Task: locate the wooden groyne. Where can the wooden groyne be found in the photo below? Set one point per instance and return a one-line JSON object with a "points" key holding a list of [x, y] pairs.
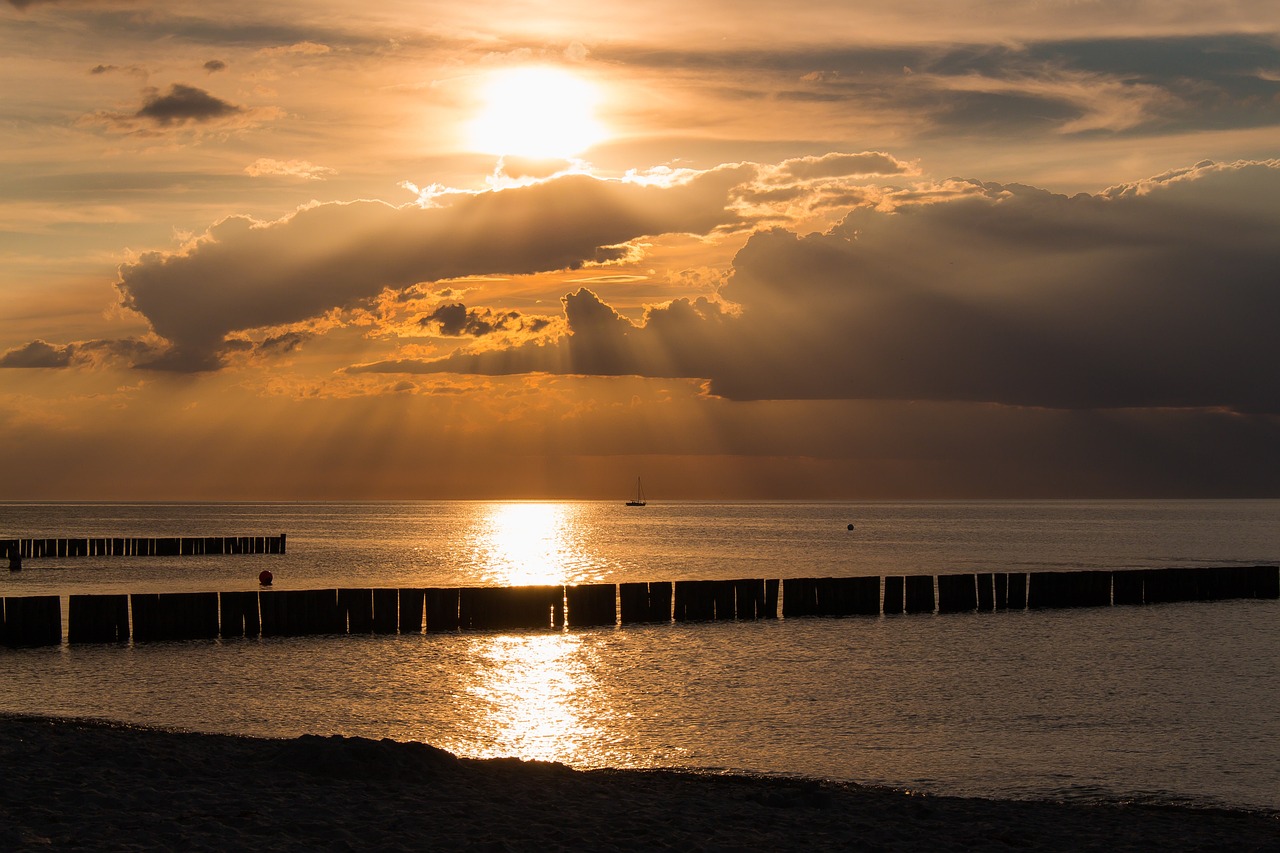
{"points": [[37, 620], [140, 546]]}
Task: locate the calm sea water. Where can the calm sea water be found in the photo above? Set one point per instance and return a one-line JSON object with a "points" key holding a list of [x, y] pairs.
{"points": [[1172, 703]]}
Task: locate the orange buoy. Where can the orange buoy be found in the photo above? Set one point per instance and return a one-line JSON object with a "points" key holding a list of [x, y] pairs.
{"points": [[265, 578]]}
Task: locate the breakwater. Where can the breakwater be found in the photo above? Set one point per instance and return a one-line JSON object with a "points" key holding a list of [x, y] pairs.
{"points": [[37, 620], [140, 546]]}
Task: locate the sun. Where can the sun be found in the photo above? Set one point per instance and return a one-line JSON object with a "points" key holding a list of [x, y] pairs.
{"points": [[540, 112]]}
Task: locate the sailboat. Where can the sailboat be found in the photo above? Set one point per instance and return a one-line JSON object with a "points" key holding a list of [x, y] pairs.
{"points": [[639, 498]]}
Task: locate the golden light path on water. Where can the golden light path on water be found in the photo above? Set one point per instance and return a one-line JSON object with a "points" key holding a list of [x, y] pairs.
{"points": [[533, 695], [525, 544]]}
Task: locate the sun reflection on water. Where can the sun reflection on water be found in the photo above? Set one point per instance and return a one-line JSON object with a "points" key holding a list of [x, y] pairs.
{"points": [[522, 544], [534, 698]]}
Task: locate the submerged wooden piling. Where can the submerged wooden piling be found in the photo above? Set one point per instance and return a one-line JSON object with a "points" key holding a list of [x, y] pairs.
{"points": [[238, 614], [174, 616], [799, 597], [386, 611], [957, 593], [644, 602], [894, 586], [440, 609], [97, 618], [32, 620], [919, 594], [356, 605], [591, 605], [411, 610]]}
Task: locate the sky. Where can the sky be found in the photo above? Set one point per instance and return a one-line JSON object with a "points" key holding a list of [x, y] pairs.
{"points": [[321, 250]]}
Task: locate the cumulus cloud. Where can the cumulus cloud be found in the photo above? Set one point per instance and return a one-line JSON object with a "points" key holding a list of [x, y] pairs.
{"points": [[245, 275], [1158, 294]]}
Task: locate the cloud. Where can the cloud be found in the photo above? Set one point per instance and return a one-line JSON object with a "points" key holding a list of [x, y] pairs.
{"points": [[288, 168], [842, 166], [455, 320], [38, 354], [184, 103], [302, 48], [181, 107], [1157, 294], [215, 65], [245, 275], [95, 353]]}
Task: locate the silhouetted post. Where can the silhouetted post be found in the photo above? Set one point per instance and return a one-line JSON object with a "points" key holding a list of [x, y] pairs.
{"points": [[893, 595], [919, 590], [441, 609], [986, 591], [386, 613], [411, 610], [591, 605], [1265, 581], [32, 621], [97, 618], [1126, 586], [957, 593], [357, 604], [799, 597], [771, 588], [633, 603], [1017, 591]]}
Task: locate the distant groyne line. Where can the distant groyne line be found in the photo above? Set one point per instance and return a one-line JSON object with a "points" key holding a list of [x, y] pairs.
{"points": [[37, 620], [35, 548]]}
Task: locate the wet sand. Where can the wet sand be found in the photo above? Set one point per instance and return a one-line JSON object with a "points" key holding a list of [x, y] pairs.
{"points": [[83, 785]]}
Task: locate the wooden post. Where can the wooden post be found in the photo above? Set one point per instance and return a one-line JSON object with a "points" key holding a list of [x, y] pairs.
{"points": [[441, 606], [1127, 586], [986, 592], [1265, 581], [919, 589], [357, 604], [957, 593], [1017, 591], [34, 620], [591, 605], [386, 614], [799, 597], [893, 595], [97, 618], [411, 610]]}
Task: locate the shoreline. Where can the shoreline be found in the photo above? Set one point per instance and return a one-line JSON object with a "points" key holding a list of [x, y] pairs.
{"points": [[78, 784]]}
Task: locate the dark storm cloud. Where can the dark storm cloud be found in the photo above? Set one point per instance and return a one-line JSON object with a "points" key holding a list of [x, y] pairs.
{"points": [[41, 354], [1123, 85], [243, 275], [1157, 294], [38, 354], [184, 103], [455, 320]]}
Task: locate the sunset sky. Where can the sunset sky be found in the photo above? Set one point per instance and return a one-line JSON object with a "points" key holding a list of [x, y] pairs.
{"points": [[331, 250]]}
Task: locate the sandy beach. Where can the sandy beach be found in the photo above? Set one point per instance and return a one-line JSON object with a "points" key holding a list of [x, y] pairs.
{"points": [[86, 785]]}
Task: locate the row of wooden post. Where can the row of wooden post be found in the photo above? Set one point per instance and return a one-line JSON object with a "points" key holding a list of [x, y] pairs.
{"points": [[37, 620], [146, 546]]}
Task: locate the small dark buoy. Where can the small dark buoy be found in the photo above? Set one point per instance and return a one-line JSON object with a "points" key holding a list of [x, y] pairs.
{"points": [[265, 578], [850, 526]]}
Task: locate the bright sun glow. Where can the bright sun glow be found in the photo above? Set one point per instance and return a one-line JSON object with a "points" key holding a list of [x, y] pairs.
{"points": [[536, 112]]}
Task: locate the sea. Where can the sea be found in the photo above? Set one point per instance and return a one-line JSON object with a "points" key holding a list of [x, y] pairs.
{"points": [[1169, 703]]}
